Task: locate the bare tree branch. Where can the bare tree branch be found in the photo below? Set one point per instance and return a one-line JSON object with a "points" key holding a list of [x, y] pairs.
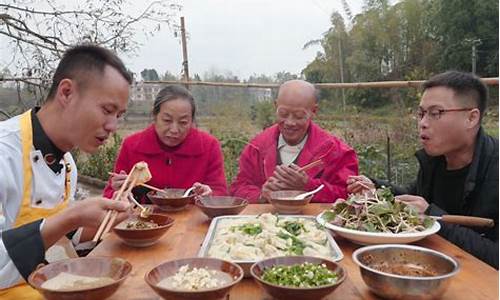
{"points": [[6, 18], [41, 30], [27, 41], [45, 13]]}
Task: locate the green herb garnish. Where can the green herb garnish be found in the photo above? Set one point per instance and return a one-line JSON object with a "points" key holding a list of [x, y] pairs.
{"points": [[300, 275], [294, 228], [297, 246], [250, 229]]}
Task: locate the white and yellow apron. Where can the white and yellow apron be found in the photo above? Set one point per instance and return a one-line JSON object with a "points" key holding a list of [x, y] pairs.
{"points": [[27, 213]]}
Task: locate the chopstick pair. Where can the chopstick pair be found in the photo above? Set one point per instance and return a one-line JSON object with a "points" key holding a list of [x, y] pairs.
{"points": [[110, 217], [311, 165]]}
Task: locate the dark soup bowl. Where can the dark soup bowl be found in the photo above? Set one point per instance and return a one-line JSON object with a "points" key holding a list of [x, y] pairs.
{"points": [[215, 206], [170, 199]]}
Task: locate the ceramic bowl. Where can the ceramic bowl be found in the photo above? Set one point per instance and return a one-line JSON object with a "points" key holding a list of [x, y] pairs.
{"points": [[233, 272], [112, 267], [298, 293], [216, 206], [170, 199], [284, 203], [144, 237]]}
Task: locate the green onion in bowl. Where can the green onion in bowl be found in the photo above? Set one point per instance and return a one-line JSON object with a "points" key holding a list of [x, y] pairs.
{"points": [[300, 275]]}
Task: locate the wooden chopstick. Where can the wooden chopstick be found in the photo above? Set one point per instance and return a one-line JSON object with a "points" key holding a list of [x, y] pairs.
{"points": [[365, 186], [311, 165], [114, 214], [105, 221], [143, 184]]}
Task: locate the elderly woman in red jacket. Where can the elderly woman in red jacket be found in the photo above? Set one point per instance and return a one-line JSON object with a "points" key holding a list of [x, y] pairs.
{"points": [[178, 154]]}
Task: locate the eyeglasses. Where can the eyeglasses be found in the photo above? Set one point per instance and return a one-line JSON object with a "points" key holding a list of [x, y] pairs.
{"points": [[300, 115], [435, 113]]}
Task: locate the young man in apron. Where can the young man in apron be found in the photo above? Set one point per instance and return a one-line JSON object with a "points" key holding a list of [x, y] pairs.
{"points": [[38, 175]]}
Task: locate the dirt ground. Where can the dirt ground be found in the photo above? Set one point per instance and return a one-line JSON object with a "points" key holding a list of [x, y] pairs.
{"points": [[86, 190]]}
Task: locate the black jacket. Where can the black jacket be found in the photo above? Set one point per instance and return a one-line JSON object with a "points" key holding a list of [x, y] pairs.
{"points": [[480, 198]]}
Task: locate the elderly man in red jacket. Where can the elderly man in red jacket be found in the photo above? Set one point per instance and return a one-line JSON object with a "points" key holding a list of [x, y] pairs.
{"points": [[272, 160]]}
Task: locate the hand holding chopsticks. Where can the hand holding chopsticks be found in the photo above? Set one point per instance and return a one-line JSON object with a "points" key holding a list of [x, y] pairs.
{"points": [[139, 174], [104, 224], [290, 177], [359, 184]]}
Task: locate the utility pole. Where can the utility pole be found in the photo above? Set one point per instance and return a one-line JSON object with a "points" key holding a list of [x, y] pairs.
{"points": [[184, 52], [341, 74], [474, 42], [388, 148]]}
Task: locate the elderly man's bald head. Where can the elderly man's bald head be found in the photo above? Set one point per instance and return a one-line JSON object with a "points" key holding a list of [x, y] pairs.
{"points": [[297, 93], [295, 106]]}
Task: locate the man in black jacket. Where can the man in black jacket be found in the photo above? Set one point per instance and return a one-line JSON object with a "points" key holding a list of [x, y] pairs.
{"points": [[458, 163]]}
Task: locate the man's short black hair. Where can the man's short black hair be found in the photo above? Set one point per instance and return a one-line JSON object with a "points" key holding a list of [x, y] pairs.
{"points": [[465, 85], [81, 63]]}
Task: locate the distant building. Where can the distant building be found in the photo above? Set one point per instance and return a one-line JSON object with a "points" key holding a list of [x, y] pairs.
{"points": [[263, 95], [140, 91]]}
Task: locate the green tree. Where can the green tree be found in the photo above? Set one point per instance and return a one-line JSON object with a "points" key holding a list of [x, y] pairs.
{"points": [[169, 76], [149, 75], [262, 78], [411, 39], [456, 24], [283, 76]]}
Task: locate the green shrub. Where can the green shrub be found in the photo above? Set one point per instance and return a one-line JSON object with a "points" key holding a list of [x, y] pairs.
{"points": [[98, 165], [371, 161], [232, 144], [262, 113]]}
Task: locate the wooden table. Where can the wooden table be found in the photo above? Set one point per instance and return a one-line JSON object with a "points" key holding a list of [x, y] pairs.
{"points": [[476, 280]]}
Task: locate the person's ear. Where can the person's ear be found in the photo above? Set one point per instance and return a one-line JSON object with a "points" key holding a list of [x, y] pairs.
{"points": [[315, 109], [65, 91], [473, 118]]}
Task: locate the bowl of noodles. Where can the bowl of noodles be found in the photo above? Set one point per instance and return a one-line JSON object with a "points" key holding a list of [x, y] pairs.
{"points": [[377, 218], [80, 278], [143, 231]]}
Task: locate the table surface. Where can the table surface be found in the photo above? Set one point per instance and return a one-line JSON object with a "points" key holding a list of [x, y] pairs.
{"points": [[476, 280]]}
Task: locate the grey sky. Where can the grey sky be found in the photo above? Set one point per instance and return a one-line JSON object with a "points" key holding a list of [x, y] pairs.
{"points": [[242, 36]]}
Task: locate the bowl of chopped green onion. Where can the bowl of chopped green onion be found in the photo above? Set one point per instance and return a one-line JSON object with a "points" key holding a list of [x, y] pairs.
{"points": [[298, 277]]}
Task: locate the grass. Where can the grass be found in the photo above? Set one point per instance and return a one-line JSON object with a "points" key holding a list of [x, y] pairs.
{"points": [[372, 133]]}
